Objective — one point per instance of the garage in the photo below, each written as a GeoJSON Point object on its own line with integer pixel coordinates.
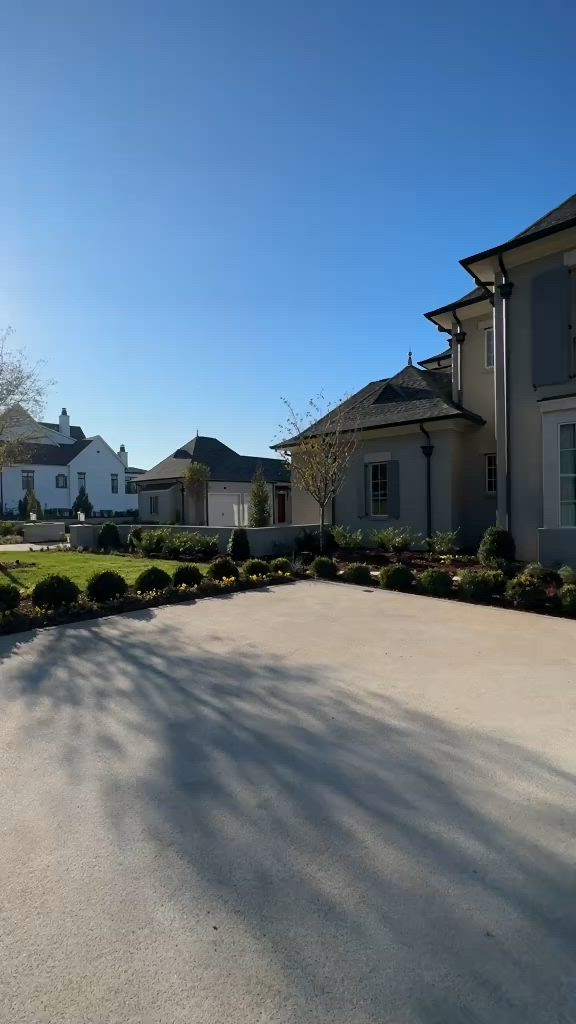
{"type": "Point", "coordinates": [227, 509]}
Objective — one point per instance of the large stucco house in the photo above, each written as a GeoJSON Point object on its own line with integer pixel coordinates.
{"type": "Point", "coordinates": [56, 459]}
{"type": "Point", "coordinates": [224, 500]}
{"type": "Point", "coordinates": [484, 431]}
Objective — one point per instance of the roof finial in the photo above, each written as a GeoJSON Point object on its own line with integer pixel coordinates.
{"type": "Point", "coordinates": [410, 358]}
{"type": "Point", "coordinates": [197, 432]}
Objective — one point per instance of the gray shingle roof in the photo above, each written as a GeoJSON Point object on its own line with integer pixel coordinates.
{"type": "Point", "coordinates": [434, 359]}
{"type": "Point", "coordinates": [413, 395]}
{"type": "Point", "coordinates": [51, 454]}
{"type": "Point", "coordinates": [562, 216]}
{"type": "Point", "coordinates": [556, 218]}
{"type": "Point", "coordinates": [223, 463]}
{"type": "Point", "coordinates": [75, 432]}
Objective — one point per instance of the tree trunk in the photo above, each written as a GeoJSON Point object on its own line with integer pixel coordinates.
{"type": "Point", "coordinates": [322, 517]}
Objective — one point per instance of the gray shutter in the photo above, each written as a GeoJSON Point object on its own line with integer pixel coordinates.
{"type": "Point", "coordinates": [393, 489]}
{"type": "Point", "coordinates": [550, 313]}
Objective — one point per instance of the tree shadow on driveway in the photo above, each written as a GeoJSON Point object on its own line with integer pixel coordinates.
{"type": "Point", "coordinates": [391, 866]}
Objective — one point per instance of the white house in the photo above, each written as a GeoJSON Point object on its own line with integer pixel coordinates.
{"type": "Point", "coordinates": [57, 459]}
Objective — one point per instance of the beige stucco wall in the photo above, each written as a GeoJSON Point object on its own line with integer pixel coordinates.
{"type": "Point", "coordinates": [478, 510]}
{"type": "Point", "coordinates": [406, 449]}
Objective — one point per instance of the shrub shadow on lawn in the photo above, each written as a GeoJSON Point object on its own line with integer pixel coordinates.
{"type": "Point", "coordinates": [383, 860]}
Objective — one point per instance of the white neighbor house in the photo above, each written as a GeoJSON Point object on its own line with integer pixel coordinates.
{"type": "Point", "coordinates": [58, 459]}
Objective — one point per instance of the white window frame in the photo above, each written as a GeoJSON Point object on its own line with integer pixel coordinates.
{"type": "Point", "coordinates": [81, 480]}
{"type": "Point", "coordinates": [490, 492]}
{"type": "Point", "coordinates": [370, 466]}
{"type": "Point", "coordinates": [564, 526]}
{"type": "Point", "coordinates": [487, 332]}
{"type": "Point", "coordinates": [153, 504]}
{"type": "Point", "coordinates": [27, 473]}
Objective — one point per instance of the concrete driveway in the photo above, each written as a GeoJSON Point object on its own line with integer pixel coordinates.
{"type": "Point", "coordinates": [316, 804]}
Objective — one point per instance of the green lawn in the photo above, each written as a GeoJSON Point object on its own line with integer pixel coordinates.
{"type": "Point", "coordinates": [34, 565]}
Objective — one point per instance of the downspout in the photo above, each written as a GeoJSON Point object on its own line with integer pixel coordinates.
{"type": "Point", "coordinates": [458, 337]}
{"type": "Point", "coordinates": [427, 450]}
{"type": "Point", "coordinates": [182, 502]}
{"type": "Point", "coordinates": [505, 289]}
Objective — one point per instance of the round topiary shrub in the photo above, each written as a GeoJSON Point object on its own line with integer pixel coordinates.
{"type": "Point", "coordinates": [55, 592]}
{"type": "Point", "coordinates": [256, 567]}
{"type": "Point", "coordinates": [526, 592]}
{"type": "Point", "coordinates": [135, 538]}
{"type": "Point", "coordinates": [324, 568]}
{"type": "Point", "coordinates": [222, 569]}
{"type": "Point", "coordinates": [436, 582]}
{"type": "Point", "coordinates": [281, 565]}
{"type": "Point", "coordinates": [239, 545]}
{"type": "Point", "coordinates": [567, 599]}
{"type": "Point", "coordinates": [189, 575]}
{"type": "Point", "coordinates": [568, 575]}
{"type": "Point", "coordinates": [9, 597]}
{"type": "Point", "coordinates": [106, 586]}
{"type": "Point", "coordinates": [539, 572]}
{"type": "Point", "coordinates": [108, 537]}
{"type": "Point", "coordinates": [396, 577]}
{"type": "Point", "coordinates": [153, 578]}
{"type": "Point", "coordinates": [357, 573]}
{"type": "Point", "coordinates": [481, 584]}
{"type": "Point", "coordinates": [496, 545]}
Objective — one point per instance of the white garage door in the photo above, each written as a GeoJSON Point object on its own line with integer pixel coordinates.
{"type": "Point", "coordinates": [226, 510]}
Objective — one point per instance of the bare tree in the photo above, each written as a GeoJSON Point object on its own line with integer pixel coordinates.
{"type": "Point", "coordinates": [22, 392]}
{"type": "Point", "coordinates": [317, 447]}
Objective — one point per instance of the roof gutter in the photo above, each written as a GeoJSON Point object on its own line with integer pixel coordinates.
{"type": "Point", "coordinates": [515, 243]}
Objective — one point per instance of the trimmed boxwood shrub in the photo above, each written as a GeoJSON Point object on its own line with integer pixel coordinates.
{"type": "Point", "coordinates": [541, 573]}
{"type": "Point", "coordinates": [106, 586]}
{"type": "Point", "coordinates": [526, 592]}
{"type": "Point", "coordinates": [190, 575]}
{"type": "Point", "coordinates": [222, 569]}
{"type": "Point", "coordinates": [567, 598]}
{"type": "Point", "coordinates": [238, 545]}
{"type": "Point", "coordinates": [358, 573]}
{"type": "Point", "coordinates": [153, 578]}
{"type": "Point", "coordinates": [567, 574]}
{"type": "Point", "coordinates": [496, 544]}
{"type": "Point", "coordinates": [108, 536]}
{"type": "Point", "coordinates": [481, 584]}
{"type": "Point", "coordinates": [9, 597]}
{"type": "Point", "coordinates": [281, 565]}
{"type": "Point", "coordinates": [436, 582]}
{"type": "Point", "coordinates": [256, 567]}
{"type": "Point", "coordinates": [55, 592]}
{"type": "Point", "coordinates": [324, 568]}
{"type": "Point", "coordinates": [396, 577]}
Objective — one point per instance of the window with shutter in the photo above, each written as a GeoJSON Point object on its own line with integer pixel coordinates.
{"type": "Point", "coordinates": [550, 327]}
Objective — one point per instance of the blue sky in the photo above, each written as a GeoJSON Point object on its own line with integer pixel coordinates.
{"type": "Point", "coordinates": [207, 206]}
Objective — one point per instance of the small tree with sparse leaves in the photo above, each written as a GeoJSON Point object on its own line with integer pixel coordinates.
{"type": "Point", "coordinates": [259, 510]}
{"type": "Point", "coordinates": [317, 449]}
{"type": "Point", "coordinates": [22, 392]}
{"type": "Point", "coordinates": [196, 479]}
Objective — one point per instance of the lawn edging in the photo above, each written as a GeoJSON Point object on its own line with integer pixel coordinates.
{"type": "Point", "coordinates": [27, 617]}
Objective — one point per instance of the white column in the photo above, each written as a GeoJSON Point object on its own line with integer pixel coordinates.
{"type": "Point", "coordinates": [500, 407]}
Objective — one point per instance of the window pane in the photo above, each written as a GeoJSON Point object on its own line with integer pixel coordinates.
{"type": "Point", "coordinates": [568, 513]}
{"type": "Point", "coordinates": [568, 461]}
{"type": "Point", "coordinates": [568, 488]}
{"type": "Point", "coordinates": [568, 435]}
{"type": "Point", "coordinates": [489, 345]}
